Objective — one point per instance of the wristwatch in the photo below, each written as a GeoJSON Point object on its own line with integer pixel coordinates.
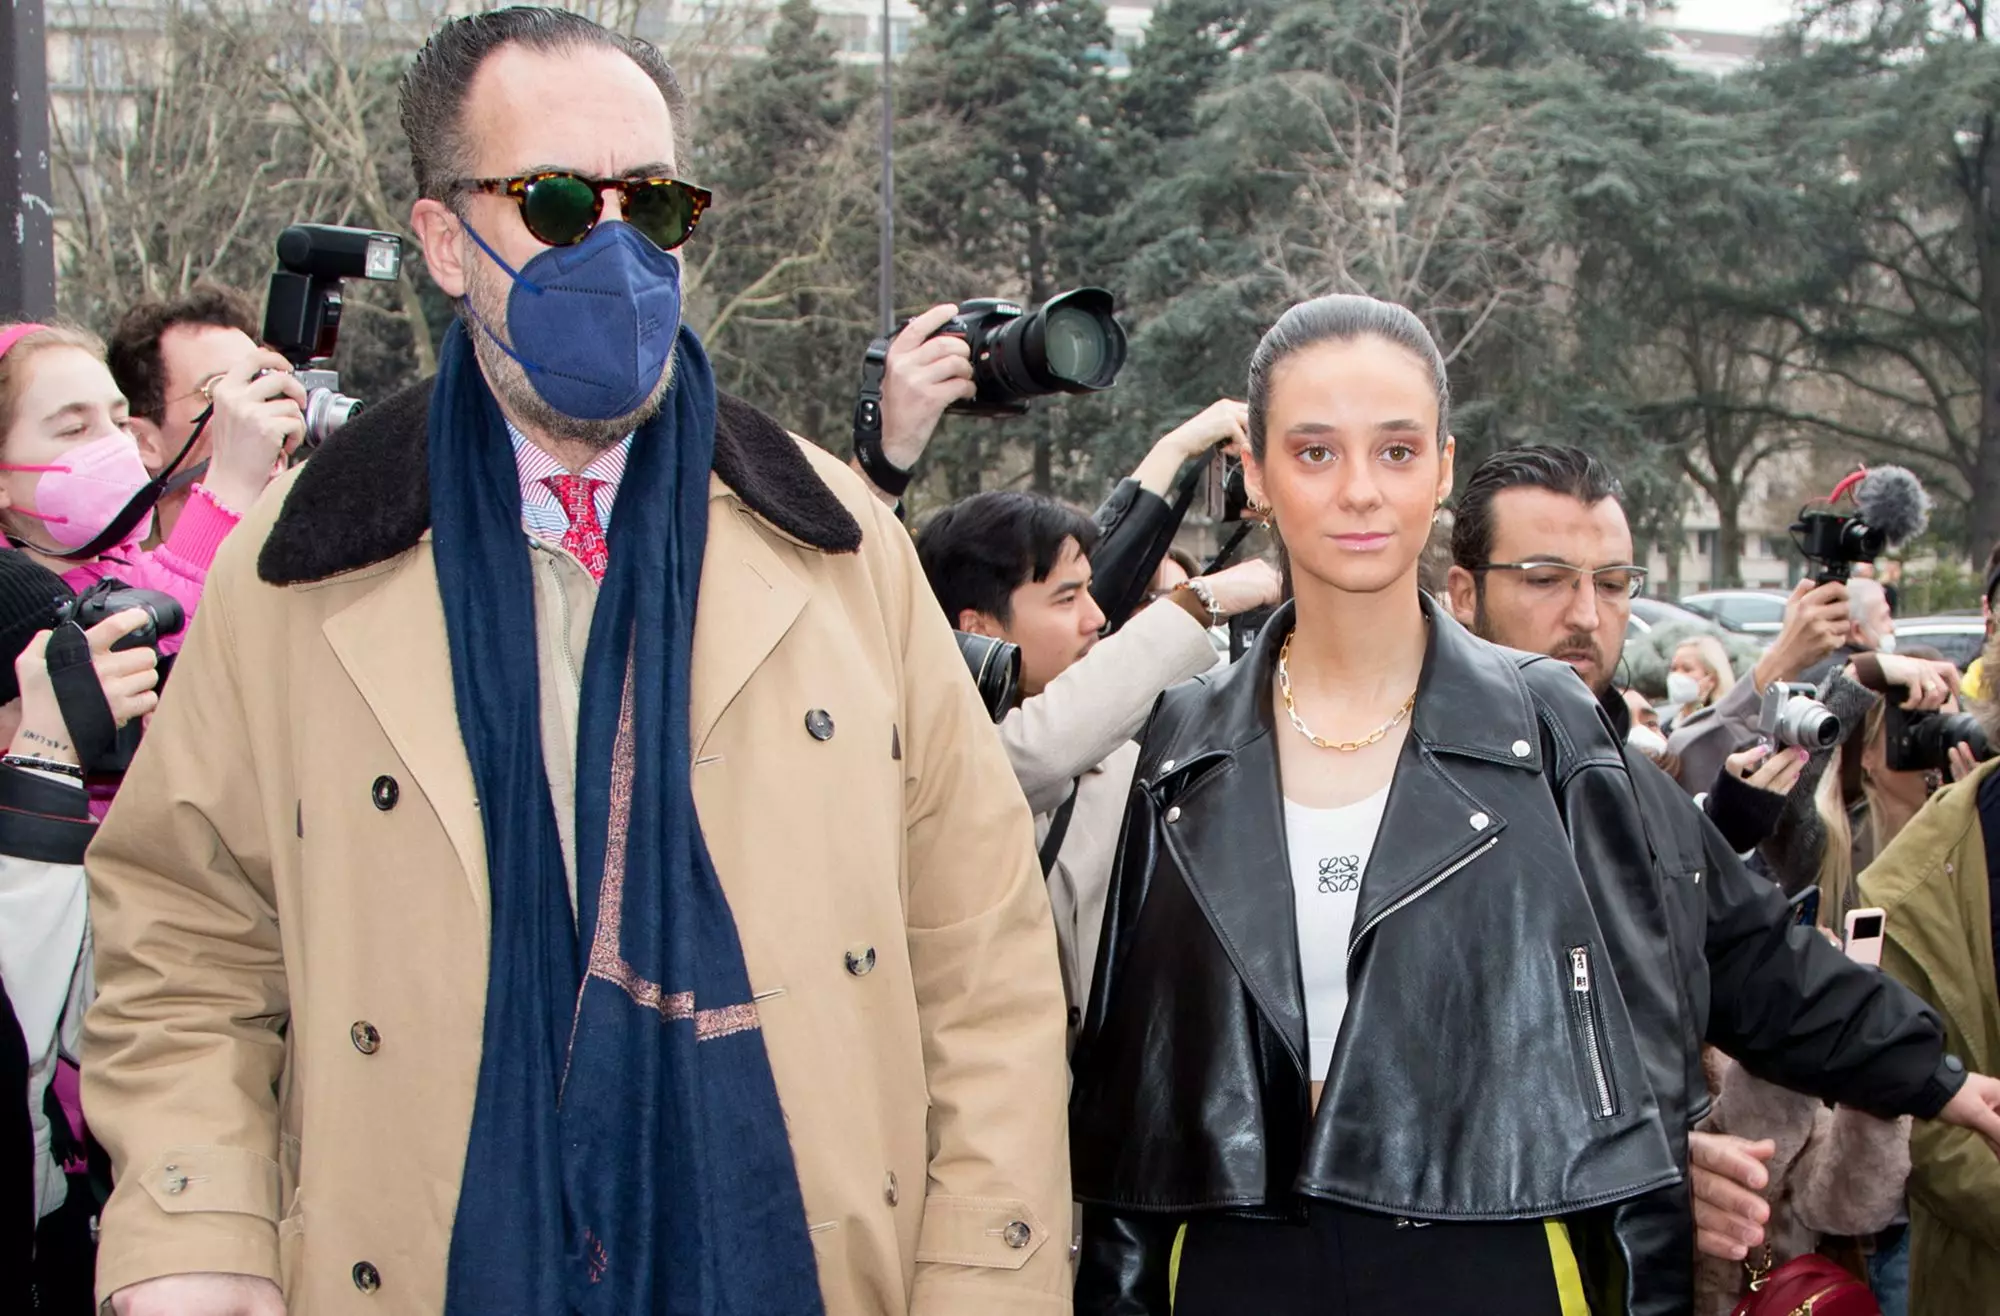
{"type": "Point", "coordinates": [1201, 590]}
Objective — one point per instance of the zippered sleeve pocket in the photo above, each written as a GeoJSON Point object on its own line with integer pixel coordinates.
{"type": "Point", "coordinates": [1589, 1023]}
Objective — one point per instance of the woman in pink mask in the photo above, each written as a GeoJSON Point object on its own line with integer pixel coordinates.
{"type": "Point", "coordinates": [69, 465]}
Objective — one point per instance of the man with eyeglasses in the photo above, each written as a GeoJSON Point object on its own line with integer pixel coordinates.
{"type": "Point", "coordinates": [1542, 560]}
{"type": "Point", "coordinates": [175, 357]}
{"type": "Point", "coordinates": [574, 872]}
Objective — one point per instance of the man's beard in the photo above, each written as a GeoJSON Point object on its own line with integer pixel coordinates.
{"type": "Point", "coordinates": [487, 291]}
{"type": "Point", "coordinates": [1580, 644]}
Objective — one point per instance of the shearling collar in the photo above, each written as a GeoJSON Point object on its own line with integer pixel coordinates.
{"type": "Point", "coordinates": [366, 496]}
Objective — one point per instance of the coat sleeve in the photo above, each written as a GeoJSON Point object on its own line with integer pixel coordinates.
{"type": "Point", "coordinates": [1952, 1170]}
{"type": "Point", "coordinates": [996, 1227]}
{"type": "Point", "coordinates": [1791, 1009]}
{"type": "Point", "coordinates": [183, 1049]}
{"type": "Point", "coordinates": [1101, 701]}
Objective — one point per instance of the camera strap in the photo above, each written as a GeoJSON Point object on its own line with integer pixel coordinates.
{"type": "Point", "coordinates": [1052, 844]}
{"type": "Point", "coordinates": [80, 695]}
{"type": "Point", "coordinates": [890, 478]}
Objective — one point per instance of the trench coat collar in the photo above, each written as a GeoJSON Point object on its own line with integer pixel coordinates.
{"type": "Point", "coordinates": [1219, 768]}
{"type": "Point", "coordinates": [365, 497]}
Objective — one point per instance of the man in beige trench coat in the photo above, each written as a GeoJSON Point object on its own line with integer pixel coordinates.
{"type": "Point", "coordinates": [292, 897]}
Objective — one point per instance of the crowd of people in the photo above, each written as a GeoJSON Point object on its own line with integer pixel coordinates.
{"type": "Point", "coordinates": [572, 870]}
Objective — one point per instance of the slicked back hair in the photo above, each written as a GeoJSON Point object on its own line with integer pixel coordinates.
{"type": "Point", "coordinates": [439, 79]}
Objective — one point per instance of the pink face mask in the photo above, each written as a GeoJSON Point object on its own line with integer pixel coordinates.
{"type": "Point", "coordinates": [78, 496]}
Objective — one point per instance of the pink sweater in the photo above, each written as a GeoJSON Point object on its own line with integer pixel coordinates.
{"type": "Point", "coordinates": [178, 567]}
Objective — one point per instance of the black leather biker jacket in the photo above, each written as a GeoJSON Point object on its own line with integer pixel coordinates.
{"type": "Point", "coordinates": [1528, 988]}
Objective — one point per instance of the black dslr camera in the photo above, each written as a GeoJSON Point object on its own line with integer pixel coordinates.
{"type": "Point", "coordinates": [1921, 740]}
{"type": "Point", "coordinates": [996, 669]}
{"type": "Point", "coordinates": [302, 311]}
{"type": "Point", "coordinates": [1071, 344]}
{"type": "Point", "coordinates": [107, 749]}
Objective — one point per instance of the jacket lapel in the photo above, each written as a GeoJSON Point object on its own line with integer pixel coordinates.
{"type": "Point", "coordinates": [391, 642]}
{"type": "Point", "coordinates": [1432, 823]}
{"type": "Point", "coordinates": [1229, 841]}
{"type": "Point", "coordinates": [749, 599]}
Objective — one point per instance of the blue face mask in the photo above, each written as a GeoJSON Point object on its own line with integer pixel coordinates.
{"type": "Point", "coordinates": [593, 325]}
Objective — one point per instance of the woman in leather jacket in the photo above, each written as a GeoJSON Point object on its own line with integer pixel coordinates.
{"type": "Point", "coordinates": [1356, 1044]}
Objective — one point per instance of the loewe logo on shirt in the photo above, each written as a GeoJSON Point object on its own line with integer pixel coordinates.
{"type": "Point", "coordinates": [1340, 874]}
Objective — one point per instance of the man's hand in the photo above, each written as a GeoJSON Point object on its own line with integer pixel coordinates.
{"type": "Point", "coordinates": [1815, 625]}
{"type": "Point", "coordinates": [1976, 1107]}
{"type": "Point", "coordinates": [1246, 587]}
{"type": "Point", "coordinates": [1767, 770]}
{"type": "Point", "coordinates": [1225, 421]}
{"type": "Point", "coordinates": [200, 1295]}
{"type": "Point", "coordinates": [1963, 761]}
{"type": "Point", "coordinates": [130, 679]}
{"type": "Point", "coordinates": [259, 418]}
{"type": "Point", "coordinates": [1728, 1174]}
{"type": "Point", "coordinates": [922, 377]}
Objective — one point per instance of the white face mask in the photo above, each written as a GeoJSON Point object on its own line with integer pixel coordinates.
{"type": "Point", "coordinates": [1683, 688]}
{"type": "Point", "coordinates": [1887, 644]}
{"type": "Point", "coordinates": [1647, 741]}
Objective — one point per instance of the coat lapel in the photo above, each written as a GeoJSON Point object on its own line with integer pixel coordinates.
{"type": "Point", "coordinates": [391, 641]}
{"type": "Point", "coordinates": [749, 599]}
{"type": "Point", "coordinates": [1432, 823]}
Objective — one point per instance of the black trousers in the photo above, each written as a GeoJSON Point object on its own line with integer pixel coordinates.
{"type": "Point", "coordinates": [1343, 1262]}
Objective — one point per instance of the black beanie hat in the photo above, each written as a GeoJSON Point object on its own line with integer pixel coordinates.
{"type": "Point", "coordinates": [29, 595]}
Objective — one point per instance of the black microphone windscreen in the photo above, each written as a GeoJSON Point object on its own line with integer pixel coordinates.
{"type": "Point", "coordinates": [1894, 502]}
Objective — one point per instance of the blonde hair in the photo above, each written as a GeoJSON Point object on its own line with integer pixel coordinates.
{"type": "Point", "coordinates": [14, 363]}
{"type": "Point", "coordinates": [1716, 659]}
{"type": "Point", "coordinates": [1836, 860]}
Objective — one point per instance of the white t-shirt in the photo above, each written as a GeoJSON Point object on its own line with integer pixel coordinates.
{"type": "Point", "coordinates": [1329, 852]}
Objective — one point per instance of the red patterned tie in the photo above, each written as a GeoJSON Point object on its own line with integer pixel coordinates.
{"type": "Point", "coordinates": [585, 537]}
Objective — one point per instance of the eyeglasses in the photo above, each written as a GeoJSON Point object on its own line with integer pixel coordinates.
{"type": "Point", "coordinates": [1620, 581]}
{"type": "Point", "coordinates": [561, 208]}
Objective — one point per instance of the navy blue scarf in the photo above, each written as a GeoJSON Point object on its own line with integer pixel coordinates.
{"type": "Point", "coordinates": [627, 1155]}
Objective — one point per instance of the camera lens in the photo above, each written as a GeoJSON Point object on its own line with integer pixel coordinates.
{"type": "Point", "coordinates": [1075, 344]}
{"type": "Point", "coordinates": [1810, 724]}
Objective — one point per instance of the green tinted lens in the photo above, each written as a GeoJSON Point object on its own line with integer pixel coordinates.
{"type": "Point", "coordinates": [559, 209]}
{"type": "Point", "coordinates": [1074, 342]}
{"type": "Point", "coordinates": [662, 210]}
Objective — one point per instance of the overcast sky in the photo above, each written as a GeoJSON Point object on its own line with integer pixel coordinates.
{"type": "Point", "coordinates": [1730, 15]}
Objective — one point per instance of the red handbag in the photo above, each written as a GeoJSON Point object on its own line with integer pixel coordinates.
{"type": "Point", "coordinates": [1811, 1285]}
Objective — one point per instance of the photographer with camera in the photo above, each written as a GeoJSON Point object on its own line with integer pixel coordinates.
{"type": "Point", "coordinates": [173, 358]}
{"type": "Point", "coordinates": [1937, 884]}
{"type": "Point", "coordinates": [45, 825]}
{"type": "Point", "coordinates": [75, 492]}
{"type": "Point", "coordinates": [1017, 567]}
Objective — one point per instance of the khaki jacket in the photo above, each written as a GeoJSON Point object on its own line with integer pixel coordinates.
{"type": "Point", "coordinates": [291, 904]}
{"type": "Point", "coordinates": [1931, 883]}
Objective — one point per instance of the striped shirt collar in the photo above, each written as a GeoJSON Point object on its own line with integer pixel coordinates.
{"type": "Point", "coordinates": [542, 513]}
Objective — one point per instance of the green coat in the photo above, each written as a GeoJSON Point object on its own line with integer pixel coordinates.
{"type": "Point", "coordinates": [1931, 882]}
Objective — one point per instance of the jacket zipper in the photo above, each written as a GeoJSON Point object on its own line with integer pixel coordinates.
{"type": "Point", "coordinates": [1425, 889]}
{"type": "Point", "coordinates": [1586, 1009]}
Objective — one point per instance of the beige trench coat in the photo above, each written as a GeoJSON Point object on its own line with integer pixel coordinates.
{"type": "Point", "coordinates": [291, 904]}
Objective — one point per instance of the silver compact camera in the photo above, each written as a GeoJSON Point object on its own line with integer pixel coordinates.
{"type": "Point", "coordinates": [1791, 716]}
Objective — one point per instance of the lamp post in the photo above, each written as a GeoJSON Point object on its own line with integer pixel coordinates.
{"type": "Point", "coordinates": [887, 275]}
{"type": "Point", "coordinates": [27, 219]}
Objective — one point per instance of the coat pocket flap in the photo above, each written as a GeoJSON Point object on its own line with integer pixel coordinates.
{"type": "Point", "coordinates": [183, 1179]}
{"type": "Point", "coordinates": [1001, 1232]}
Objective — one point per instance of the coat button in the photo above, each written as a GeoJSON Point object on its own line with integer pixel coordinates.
{"type": "Point", "coordinates": [386, 792]}
{"type": "Point", "coordinates": [366, 1040]}
{"type": "Point", "coordinates": [366, 1277]}
{"type": "Point", "coordinates": [861, 961]}
{"type": "Point", "coordinates": [174, 1182]}
{"type": "Point", "coordinates": [1954, 1064]}
{"type": "Point", "coordinates": [1017, 1234]}
{"type": "Point", "coordinates": [1168, 766]}
{"type": "Point", "coordinates": [1520, 749]}
{"type": "Point", "coordinates": [891, 1191]}
{"type": "Point", "coordinates": [819, 724]}
{"type": "Point", "coordinates": [1479, 822]}
{"type": "Point", "coordinates": [1174, 814]}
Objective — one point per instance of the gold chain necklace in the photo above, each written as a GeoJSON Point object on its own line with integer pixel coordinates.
{"type": "Point", "coordinates": [1299, 723]}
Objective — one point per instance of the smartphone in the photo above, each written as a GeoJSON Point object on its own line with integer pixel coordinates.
{"type": "Point", "coordinates": [1864, 936]}
{"type": "Point", "coordinates": [1805, 907]}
